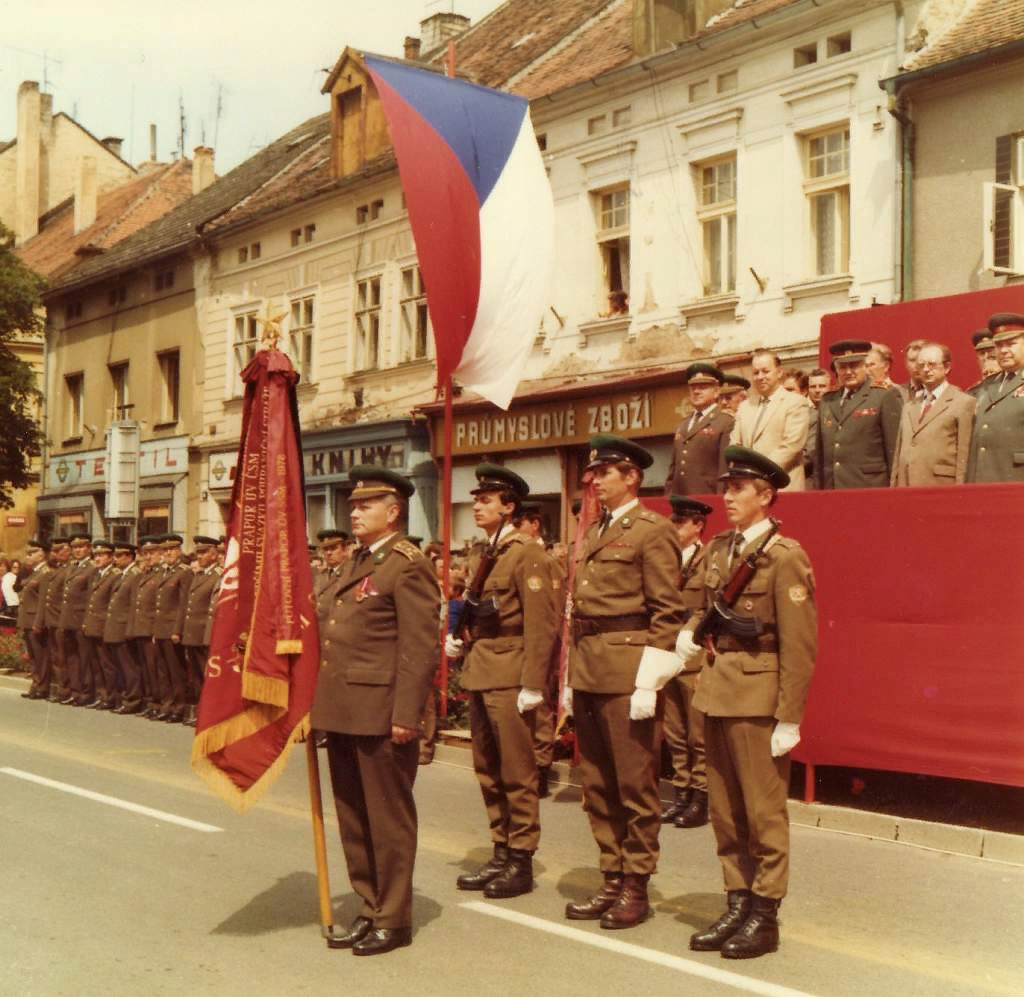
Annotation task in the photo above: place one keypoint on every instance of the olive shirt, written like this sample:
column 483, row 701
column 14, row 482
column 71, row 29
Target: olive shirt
column 379, row 643
column 632, row 568
column 526, row 585
column 770, row 675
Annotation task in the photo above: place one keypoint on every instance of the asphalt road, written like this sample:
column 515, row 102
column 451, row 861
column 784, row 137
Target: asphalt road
column 188, row 898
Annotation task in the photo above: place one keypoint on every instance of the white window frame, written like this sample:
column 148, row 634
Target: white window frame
column 817, row 189
column 170, row 387
column 412, row 309
column 367, row 322
column 302, row 333
column 241, row 350
column 613, row 226
column 1013, row 194
column 717, row 214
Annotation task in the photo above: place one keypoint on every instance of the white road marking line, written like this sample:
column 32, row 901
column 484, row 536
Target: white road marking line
column 112, row 801
column 688, row 966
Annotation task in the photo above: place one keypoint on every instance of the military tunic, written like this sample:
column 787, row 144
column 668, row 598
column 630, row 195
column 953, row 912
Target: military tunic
column 119, row 645
column 997, row 443
column 47, row 625
column 80, row 579
column 103, row 666
column 170, row 661
column 698, row 454
column 31, row 609
column 857, row 438
column 140, row 632
column 195, row 611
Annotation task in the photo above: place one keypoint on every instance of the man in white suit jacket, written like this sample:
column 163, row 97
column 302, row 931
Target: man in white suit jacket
column 774, row 422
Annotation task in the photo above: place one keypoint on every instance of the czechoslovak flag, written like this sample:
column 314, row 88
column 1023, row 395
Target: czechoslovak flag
column 482, row 215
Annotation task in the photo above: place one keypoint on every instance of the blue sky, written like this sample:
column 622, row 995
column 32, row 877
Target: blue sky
column 123, row 65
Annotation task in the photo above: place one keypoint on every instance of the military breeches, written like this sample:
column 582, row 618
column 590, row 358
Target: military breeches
column 372, row 780
column 502, row 740
column 619, row 773
column 684, row 733
column 748, row 789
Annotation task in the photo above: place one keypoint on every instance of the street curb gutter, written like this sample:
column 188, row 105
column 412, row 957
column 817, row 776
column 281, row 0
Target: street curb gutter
column 975, row 842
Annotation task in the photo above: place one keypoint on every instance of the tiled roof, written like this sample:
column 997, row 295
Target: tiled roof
column 120, row 211
column 181, row 227
column 984, row 26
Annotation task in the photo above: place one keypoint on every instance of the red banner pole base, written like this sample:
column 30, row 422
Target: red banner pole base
column 808, row 782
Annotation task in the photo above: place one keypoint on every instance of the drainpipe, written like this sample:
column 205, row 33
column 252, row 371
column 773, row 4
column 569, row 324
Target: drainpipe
column 898, row 109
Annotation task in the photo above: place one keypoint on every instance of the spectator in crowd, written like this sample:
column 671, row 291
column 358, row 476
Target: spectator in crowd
column 935, row 430
column 795, row 381
column 733, row 393
column 701, row 438
column 988, row 360
column 818, row 382
column 997, row 444
column 775, row 422
column 456, row 597
column 857, row 424
column 879, row 363
column 21, row 573
column 912, row 388
column 8, row 579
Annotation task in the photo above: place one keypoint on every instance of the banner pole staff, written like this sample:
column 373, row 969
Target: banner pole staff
column 320, row 843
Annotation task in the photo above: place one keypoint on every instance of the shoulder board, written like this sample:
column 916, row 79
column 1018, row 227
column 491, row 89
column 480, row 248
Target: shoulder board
column 648, row 515
column 408, row 550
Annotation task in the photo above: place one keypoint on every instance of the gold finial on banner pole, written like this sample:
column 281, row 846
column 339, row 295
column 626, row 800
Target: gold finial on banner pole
column 271, row 328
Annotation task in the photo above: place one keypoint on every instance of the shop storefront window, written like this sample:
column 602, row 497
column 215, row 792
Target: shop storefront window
column 341, row 520
column 76, row 521
column 316, row 514
column 154, row 520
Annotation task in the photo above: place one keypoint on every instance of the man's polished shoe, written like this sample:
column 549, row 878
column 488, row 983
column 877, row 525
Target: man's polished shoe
column 515, row 879
column 696, row 812
column 680, row 801
column 361, row 927
column 592, row 909
column 70, row 701
column 381, row 940
column 127, row 708
column 713, row 938
column 632, row 907
column 759, row 933
column 479, row 879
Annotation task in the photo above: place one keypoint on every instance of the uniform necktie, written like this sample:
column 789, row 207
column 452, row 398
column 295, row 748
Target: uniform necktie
column 362, row 554
column 735, row 548
column 606, row 521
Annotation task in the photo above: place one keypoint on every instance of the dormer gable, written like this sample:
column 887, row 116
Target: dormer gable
column 359, row 129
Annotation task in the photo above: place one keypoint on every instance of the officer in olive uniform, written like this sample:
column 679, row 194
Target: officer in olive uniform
column 173, row 590
column 102, row 667
column 857, row 424
column 116, row 644
column 30, row 608
column 47, row 624
column 683, row 725
column 195, row 610
column 80, row 576
column 752, row 692
column 140, row 626
column 335, row 549
column 997, row 443
column 988, row 361
column 701, row 438
column 379, row 650
column 733, row 393
column 508, row 649
column 627, row 611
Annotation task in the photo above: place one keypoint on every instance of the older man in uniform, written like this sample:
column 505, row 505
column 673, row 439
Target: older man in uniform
column 508, row 650
column 857, row 424
column 116, row 645
column 195, row 608
column 335, row 549
column 733, row 393
column 102, row 667
column 988, row 360
column 170, row 595
column 140, row 626
column 80, row 576
column 683, row 725
column 702, row 437
column 379, row 651
column 997, row 445
column 752, row 692
column 627, row 611
column 30, row 608
column 47, row 623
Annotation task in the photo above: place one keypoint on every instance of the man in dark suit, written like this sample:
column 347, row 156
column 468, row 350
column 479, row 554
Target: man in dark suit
column 701, row 438
column 997, row 445
column 379, row 644
column 857, row 424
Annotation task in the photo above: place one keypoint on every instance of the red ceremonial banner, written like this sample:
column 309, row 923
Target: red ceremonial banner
column 265, row 644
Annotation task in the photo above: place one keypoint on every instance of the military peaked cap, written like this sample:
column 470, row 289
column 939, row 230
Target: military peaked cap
column 848, row 350
column 120, row 548
column 731, row 383
column 375, row 482
column 742, row 462
column 682, row 506
column 495, row 478
column 330, row 537
column 703, row 373
column 204, row 543
column 607, row 449
column 1006, row 325
column 103, row 545
column 982, row 340
column 38, row 545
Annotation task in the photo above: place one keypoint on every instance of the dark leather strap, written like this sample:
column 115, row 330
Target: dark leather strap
column 588, row 626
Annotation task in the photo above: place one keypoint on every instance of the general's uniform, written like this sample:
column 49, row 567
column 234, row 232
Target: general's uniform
column 170, row 595
column 104, row 667
column 857, row 438
column 118, row 644
column 698, row 450
column 31, row 609
column 77, row 651
column 934, row 440
column 997, row 444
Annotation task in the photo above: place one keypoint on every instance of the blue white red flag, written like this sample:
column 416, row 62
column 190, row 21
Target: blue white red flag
column 482, row 215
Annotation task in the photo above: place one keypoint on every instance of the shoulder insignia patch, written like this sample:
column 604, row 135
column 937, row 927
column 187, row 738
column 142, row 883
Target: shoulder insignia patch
column 407, row 549
column 646, row 515
column 535, row 583
column 797, row 594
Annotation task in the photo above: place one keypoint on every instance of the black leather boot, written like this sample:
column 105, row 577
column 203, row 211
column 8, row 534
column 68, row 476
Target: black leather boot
column 713, row 938
column 592, row 909
column 479, row 879
column 632, row 907
column 680, row 801
column 515, row 879
column 696, row 812
column 759, row 933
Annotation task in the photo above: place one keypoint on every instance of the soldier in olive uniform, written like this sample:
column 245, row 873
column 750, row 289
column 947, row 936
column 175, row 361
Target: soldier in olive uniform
column 116, row 645
column 734, row 393
column 47, row 621
column 335, row 549
column 752, row 692
column 683, row 725
column 195, row 611
column 508, row 649
column 988, row 360
column 997, row 443
column 700, row 441
column 30, row 609
column 173, row 590
column 857, row 424
column 627, row 611
column 80, row 576
column 379, row 646
column 140, row 625
column 102, row 667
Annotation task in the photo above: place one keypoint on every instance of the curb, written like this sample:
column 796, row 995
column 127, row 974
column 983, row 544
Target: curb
column 995, row 846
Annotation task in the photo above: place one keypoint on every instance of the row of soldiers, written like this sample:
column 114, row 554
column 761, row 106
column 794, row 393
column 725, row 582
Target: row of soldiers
column 112, row 626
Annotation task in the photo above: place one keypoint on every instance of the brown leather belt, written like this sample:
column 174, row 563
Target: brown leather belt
column 589, row 626
column 490, row 634
column 766, row 644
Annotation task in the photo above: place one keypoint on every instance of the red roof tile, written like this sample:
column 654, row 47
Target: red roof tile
column 984, row 26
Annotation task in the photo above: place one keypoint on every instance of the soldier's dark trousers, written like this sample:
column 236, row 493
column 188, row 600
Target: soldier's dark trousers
column 35, row 641
column 104, row 670
column 195, row 659
column 145, row 654
column 76, row 661
column 58, row 662
column 130, row 671
column 172, row 662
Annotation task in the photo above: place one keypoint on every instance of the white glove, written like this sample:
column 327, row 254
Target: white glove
column 685, row 647
column 567, row 700
column 529, row 699
column 785, row 738
column 453, row 646
column 642, row 704
column 656, row 668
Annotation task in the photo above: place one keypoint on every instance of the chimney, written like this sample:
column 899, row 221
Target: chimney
column 412, row 49
column 202, row 168
column 46, row 140
column 85, row 193
column 113, row 145
column 438, row 28
column 152, row 143
column 26, row 181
